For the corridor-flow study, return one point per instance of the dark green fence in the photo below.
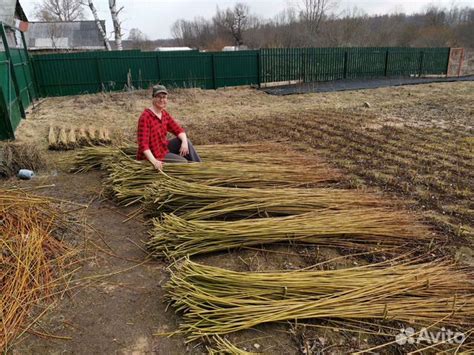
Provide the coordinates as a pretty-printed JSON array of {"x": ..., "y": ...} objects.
[
  {"x": 17, "y": 90},
  {"x": 90, "y": 72},
  {"x": 324, "y": 64}
]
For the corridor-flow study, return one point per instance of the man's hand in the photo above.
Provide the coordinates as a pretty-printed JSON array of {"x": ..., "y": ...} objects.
[
  {"x": 157, "y": 164},
  {"x": 184, "y": 149}
]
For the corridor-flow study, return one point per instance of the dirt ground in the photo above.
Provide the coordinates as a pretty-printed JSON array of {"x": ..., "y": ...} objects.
[{"x": 414, "y": 143}]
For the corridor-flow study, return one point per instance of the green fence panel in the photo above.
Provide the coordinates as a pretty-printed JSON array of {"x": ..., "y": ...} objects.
[
  {"x": 435, "y": 61},
  {"x": 10, "y": 115},
  {"x": 403, "y": 61},
  {"x": 88, "y": 72},
  {"x": 365, "y": 62},
  {"x": 186, "y": 70},
  {"x": 235, "y": 68},
  {"x": 20, "y": 66},
  {"x": 6, "y": 128}
]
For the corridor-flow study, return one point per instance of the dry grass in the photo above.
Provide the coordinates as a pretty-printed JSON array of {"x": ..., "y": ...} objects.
[
  {"x": 16, "y": 156},
  {"x": 201, "y": 111}
]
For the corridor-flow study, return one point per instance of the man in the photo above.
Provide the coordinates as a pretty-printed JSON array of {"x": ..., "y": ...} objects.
[{"x": 153, "y": 125}]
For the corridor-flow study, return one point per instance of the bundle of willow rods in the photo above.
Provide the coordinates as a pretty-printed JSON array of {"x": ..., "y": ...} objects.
[
  {"x": 263, "y": 154},
  {"x": 218, "y": 301},
  {"x": 199, "y": 201},
  {"x": 364, "y": 228},
  {"x": 31, "y": 259},
  {"x": 129, "y": 178}
]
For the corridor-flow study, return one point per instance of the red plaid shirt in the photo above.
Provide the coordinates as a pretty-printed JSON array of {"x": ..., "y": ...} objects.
[{"x": 151, "y": 133}]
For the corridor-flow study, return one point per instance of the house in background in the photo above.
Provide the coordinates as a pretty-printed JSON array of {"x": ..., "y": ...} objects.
[
  {"x": 64, "y": 36},
  {"x": 12, "y": 14}
]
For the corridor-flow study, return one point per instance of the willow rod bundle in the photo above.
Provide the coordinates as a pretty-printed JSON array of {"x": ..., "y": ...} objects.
[
  {"x": 364, "y": 228},
  {"x": 52, "y": 140},
  {"x": 128, "y": 178},
  {"x": 263, "y": 154},
  {"x": 83, "y": 140},
  {"x": 93, "y": 135},
  {"x": 62, "y": 139},
  {"x": 199, "y": 201},
  {"x": 72, "y": 141},
  {"x": 31, "y": 259},
  {"x": 218, "y": 301}
]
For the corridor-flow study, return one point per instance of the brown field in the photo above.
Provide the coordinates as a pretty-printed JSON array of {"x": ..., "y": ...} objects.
[{"x": 414, "y": 144}]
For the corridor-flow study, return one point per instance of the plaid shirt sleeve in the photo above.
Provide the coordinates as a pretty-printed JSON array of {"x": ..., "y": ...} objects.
[
  {"x": 143, "y": 132},
  {"x": 173, "y": 127}
]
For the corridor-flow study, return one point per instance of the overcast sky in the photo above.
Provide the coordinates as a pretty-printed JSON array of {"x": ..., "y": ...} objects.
[{"x": 155, "y": 18}]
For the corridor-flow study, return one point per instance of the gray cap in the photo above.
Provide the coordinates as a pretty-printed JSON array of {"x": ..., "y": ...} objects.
[{"x": 157, "y": 89}]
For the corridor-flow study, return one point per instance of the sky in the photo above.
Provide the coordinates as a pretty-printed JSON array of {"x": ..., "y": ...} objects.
[{"x": 154, "y": 18}]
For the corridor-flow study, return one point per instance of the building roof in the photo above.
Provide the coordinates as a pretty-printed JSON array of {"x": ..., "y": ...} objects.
[
  {"x": 11, "y": 10},
  {"x": 64, "y": 35}
]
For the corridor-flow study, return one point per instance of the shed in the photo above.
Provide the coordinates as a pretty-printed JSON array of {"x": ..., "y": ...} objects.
[{"x": 64, "y": 35}]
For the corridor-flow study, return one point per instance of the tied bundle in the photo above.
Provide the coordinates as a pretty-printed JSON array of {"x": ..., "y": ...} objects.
[
  {"x": 198, "y": 201},
  {"x": 217, "y": 301},
  {"x": 364, "y": 228}
]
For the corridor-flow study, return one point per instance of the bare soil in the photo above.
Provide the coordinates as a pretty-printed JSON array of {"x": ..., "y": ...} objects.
[{"x": 414, "y": 143}]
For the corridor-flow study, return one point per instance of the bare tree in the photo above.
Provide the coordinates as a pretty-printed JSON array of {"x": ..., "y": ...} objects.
[
  {"x": 59, "y": 10},
  {"x": 234, "y": 21},
  {"x": 117, "y": 24},
  {"x": 99, "y": 24},
  {"x": 199, "y": 33},
  {"x": 54, "y": 32},
  {"x": 313, "y": 12},
  {"x": 136, "y": 35}
]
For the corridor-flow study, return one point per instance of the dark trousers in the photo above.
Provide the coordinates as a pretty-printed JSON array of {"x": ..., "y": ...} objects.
[{"x": 174, "y": 157}]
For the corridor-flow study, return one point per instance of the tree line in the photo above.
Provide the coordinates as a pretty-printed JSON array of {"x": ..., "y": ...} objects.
[{"x": 313, "y": 25}]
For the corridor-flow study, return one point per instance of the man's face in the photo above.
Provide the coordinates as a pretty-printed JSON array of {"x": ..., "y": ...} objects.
[{"x": 160, "y": 101}]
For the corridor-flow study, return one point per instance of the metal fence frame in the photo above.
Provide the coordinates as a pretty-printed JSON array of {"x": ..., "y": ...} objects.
[
  {"x": 91, "y": 72},
  {"x": 17, "y": 90}
]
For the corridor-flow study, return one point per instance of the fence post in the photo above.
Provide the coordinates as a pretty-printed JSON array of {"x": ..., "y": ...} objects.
[
  {"x": 12, "y": 69},
  {"x": 422, "y": 55},
  {"x": 214, "y": 81},
  {"x": 259, "y": 68},
  {"x": 99, "y": 76},
  {"x": 158, "y": 67},
  {"x": 346, "y": 57},
  {"x": 33, "y": 94},
  {"x": 386, "y": 63},
  {"x": 38, "y": 89}
]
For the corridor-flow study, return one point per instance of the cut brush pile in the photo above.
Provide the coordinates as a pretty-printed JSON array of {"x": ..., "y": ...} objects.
[
  {"x": 32, "y": 261},
  {"x": 218, "y": 301},
  {"x": 364, "y": 228},
  {"x": 199, "y": 201}
]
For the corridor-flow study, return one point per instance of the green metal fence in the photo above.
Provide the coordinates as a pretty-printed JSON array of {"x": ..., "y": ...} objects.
[
  {"x": 17, "y": 90},
  {"x": 324, "y": 64},
  {"x": 90, "y": 72}
]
